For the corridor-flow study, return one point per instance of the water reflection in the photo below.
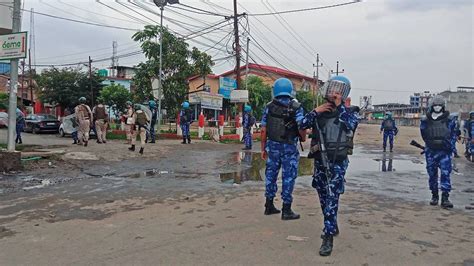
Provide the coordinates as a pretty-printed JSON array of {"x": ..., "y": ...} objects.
[{"x": 388, "y": 159}]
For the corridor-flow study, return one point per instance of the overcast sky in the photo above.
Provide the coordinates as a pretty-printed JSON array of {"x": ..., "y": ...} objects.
[{"x": 388, "y": 48}]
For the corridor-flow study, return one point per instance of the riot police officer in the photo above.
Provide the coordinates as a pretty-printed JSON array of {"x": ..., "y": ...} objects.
[
  {"x": 185, "y": 120},
  {"x": 438, "y": 130},
  {"x": 333, "y": 127},
  {"x": 247, "y": 122},
  {"x": 389, "y": 130},
  {"x": 279, "y": 146},
  {"x": 469, "y": 135}
]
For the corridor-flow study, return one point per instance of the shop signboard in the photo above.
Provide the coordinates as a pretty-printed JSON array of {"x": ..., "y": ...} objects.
[
  {"x": 13, "y": 46},
  {"x": 226, "y": 85},
  {"x": 239, "y": 96}
]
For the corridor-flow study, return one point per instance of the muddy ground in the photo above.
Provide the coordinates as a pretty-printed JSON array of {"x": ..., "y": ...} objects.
[{"x": 203, "y": 204}]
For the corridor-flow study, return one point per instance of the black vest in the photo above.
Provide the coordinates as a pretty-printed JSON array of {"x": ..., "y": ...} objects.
[
  {"x": 187, "y": 117},
  {"x": 332, "y": 130},
  {"x": 388, "y": 124},
  {"x": 281, "y": 123},
  {"x": 437, "y": 132}
]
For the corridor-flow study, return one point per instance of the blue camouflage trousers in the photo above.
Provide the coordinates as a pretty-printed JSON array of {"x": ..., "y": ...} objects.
[
  {"x": 285, "y": 156},
  {"x": 329, "y": 200},
  {"x": 388, "y": 134},
  {"x": 439, "y": 159},
  {"x": 248, "y": 137},
  {"x": 185, "y": 129}
]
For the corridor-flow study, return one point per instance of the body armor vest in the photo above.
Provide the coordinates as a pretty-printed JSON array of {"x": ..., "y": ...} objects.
[
  {"x": 388, "y": 124},
  {"x": 187, "y": 116},
  {"x": 100, "y": 112},
  {"x": 83, "y": 112},
  {"x": 437, "y": 132},
  {"x": 281, "y": 123},
  {"x": 332, "y": 131},
  {"x": 141, "y": 118}
]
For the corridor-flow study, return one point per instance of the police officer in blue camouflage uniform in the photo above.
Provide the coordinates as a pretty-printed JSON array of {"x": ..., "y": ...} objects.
[
  {"x": 247, "y": 122},
  {"x": 337, "y": 124},
  {"x": 457, "y": 134},
  {"x": 469, "y": 135},
  {"x": 185, "y": 120},
  {"x": 389, "y": 129},
  {"x": 438, "y": 130},
  {"x": 279, "y": 135},
  {"x": 150, "y": 136}
]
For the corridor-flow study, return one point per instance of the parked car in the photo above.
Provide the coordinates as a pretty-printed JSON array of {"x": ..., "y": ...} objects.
[
  {"x": 66, "y": 127},
  {"x": 37, "y": 123},
  {"x": 3, "y": 119}
]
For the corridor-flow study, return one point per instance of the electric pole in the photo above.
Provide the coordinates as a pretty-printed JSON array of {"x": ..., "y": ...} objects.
[
  {"x": 90, "y": 81},
  {"x": 247, "y": 64},
  {"x": 30, "y": 76},
  {"x": 316, "y": 87},
  {"x": 16, "y": 26},
  {"x": 237, "y": 45},
  {"x": 337, "y": 69}
]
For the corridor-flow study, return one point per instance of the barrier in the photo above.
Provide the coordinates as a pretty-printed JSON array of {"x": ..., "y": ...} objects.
[
  {"x": 201, "y": 126},
  {"x": 221, "y": 125},
  {"x": 179, "y": 132}
]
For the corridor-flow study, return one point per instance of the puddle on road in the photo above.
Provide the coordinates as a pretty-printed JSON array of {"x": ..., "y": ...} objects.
[
  {"x": 149, "y": 173},
  {"x": 252, "y": 168},
  {"x": 390, "y": 163}
]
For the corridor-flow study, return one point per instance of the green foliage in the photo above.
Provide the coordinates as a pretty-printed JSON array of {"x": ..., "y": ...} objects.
[
  {"x": 306, "y": 99},
  {"x": 65, "y": 86},
  {"x": 179, "y": 63},
  {"x": 259, "y": 95},
  {"x": 3, "y": 101},
  {"x": 115, "y": 96}
]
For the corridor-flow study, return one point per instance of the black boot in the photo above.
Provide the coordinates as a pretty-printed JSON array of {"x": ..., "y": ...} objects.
[
  {"x": 132, "y": 148},
  {"x": 445, "y": 203},
  {"x": 326, "y": 246},
  {"x": 384, "y": 149},
  {"x": 85, "y": 143},
  {"x": 434, "y": 198},
  {"x": 141, "y": 150},
  {"x": 184, "y": 140},
  {"x": 189, "y": 140},
  {"x": 75, "y": 142},
  {"x": 270, "y": 207},
  {"x": 287, "y": 213}
]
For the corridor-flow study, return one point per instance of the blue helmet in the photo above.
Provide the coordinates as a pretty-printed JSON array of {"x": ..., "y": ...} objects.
[
  {"x": 247, "y": 108},
  {"x": 471, "y": 114},
  {"x": 282, "y": 86},
  {"x": 388, "y": 114},
  {"x": 339, "y": 84},
  {"x": 152, "y": 104},
  {"x": 185, "y": 105},
  {"x": 82, "y": 100}
]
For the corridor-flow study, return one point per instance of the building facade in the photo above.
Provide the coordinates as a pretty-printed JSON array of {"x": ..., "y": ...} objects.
[{"x": 460, "y": 101}]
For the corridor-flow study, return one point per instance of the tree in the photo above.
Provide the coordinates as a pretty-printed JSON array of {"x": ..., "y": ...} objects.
[
  {"x": 3, "y": 101},
  {"x": 259, "y": 95},
  {"x": 179, "y": 63},
  {"x": 115, "y": 96},
  {"x": 306, "y": 99},
  {"x": 65, "y": 86}
]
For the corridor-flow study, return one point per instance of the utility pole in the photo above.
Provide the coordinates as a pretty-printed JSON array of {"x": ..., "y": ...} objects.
[
  {"x": 160, "y": 74},
  {"x": 237, "y": 51},
  {"x": 337, "y": 69},
  {"x": 22, "y": 80},
  {"x": 90, "y": 81},
  {"x": 30, "y": 76},
  {"x": 247, "y": 64},
  {"x": 114, "y": 59},
  {"x": 316, "y": 87},
  {"x": 16, "y": 26}
]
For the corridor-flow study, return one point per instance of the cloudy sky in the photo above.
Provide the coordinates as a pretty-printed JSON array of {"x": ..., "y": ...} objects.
[{"x": 388, "y": 48}]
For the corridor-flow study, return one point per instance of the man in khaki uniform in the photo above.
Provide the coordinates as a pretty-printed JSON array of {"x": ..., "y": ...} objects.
[
  {"x": 84, "y": 119},
  {"x": 101, "y": 118},
  {"x": 141, "y": 119},
  {"x": 129, "y": 122}
]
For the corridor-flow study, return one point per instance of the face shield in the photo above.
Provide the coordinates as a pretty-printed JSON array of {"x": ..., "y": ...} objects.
[
  {"x": 437, "y": 108},
  {"x": 335, "y": 86}
]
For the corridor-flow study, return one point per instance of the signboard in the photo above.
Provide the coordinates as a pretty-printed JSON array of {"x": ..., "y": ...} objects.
[
  {"x": 226, "y": 85},
  {"x": 155, "y": 85},
  {"x": 207, "y": 100},
  {"x": 239, "y": 96},
  {"x": 13, "y": 45}
]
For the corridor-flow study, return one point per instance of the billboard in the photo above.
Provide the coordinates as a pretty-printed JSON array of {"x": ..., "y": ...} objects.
[
  {"x": 226, "y": 85},
  {"x": 239, "y": 96},
  {"x": 13, "y": 45}
]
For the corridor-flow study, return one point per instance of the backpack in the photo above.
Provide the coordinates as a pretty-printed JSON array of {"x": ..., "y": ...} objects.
[{"x": 141, "y": 118}]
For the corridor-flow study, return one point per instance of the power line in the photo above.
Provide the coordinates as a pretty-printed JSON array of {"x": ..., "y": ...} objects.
[
  {"x": 198, "y": 9},
  {"x": 305, "y": 9},
  {"x": 75, "y": 20}
]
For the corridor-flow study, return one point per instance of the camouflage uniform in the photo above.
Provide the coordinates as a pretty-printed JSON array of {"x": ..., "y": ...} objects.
[
  {"x": 439, "y": 158},
  {"x": 388, "y": 133},
  {"x": 330, "y": 201},
  {"x": 185, "y": 123},
  {"x": 84, "y": 119},
  {"x": 281, "y": 155},
  {"x": 246, "y": 123}
]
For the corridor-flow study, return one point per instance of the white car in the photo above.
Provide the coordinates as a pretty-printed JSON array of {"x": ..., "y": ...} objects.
[
  {"x": 66, "y": 127},
  {"x": 3, "y": 119}
]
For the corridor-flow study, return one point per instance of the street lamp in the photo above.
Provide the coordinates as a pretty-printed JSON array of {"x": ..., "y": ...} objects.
[{"x": 161, "y": 4}]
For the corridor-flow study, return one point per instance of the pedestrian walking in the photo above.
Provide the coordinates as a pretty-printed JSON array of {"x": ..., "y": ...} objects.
[
  {"x": 279, "y": 135},
  {"x": 20, "y": 124},
  {"x": 438, "y": 129},
  {"x": 129, "y": 122},
  {"x": 150, "y": 135},
  {"x": 84, "y": 119}
]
